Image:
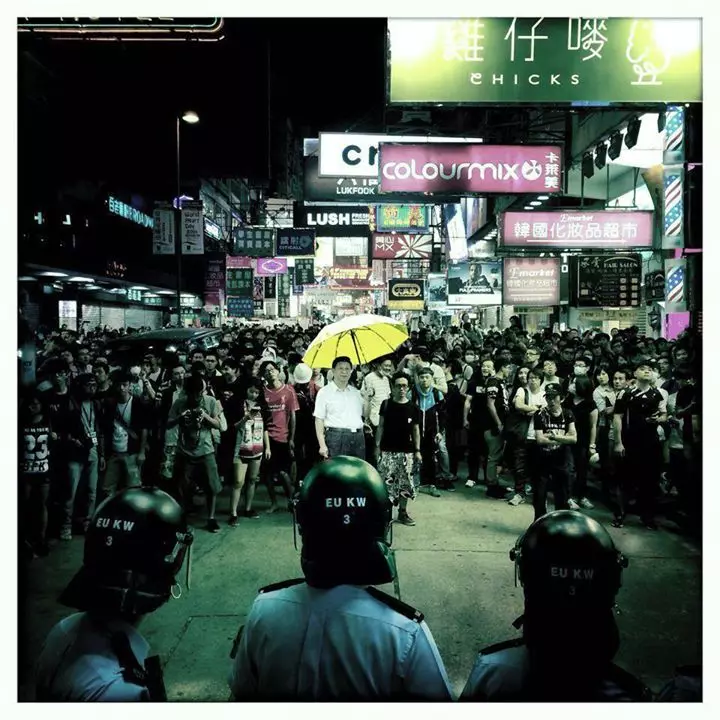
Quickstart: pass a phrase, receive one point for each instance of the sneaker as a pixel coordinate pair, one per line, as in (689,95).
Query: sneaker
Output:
(430,490)
(66,534)
(618,521)
(212,526)
(251,514)
(470,483)
(586,504)
(404,519)
(528,489)
(516,499)
(233,521)
(573,505)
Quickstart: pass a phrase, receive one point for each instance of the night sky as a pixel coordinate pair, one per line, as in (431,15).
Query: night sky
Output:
(109,109)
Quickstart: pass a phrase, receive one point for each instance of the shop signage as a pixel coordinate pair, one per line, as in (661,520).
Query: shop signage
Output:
(335,220)
(134,295)
(240,281)
(67,308)
(596,230)
(347,278)
(283,286)
(531,282)
(295,241)
(654,286)
(305,271)
(296,288)
(214,273)
(391,246)
(271,266)
(609,281)
(545,60)
(353,155)
(191,228)
(254,242)
(212,229)
(149,300)
(437,296)
(406,294)
(117,207)
(350,251)
(470,168)
(477,282)
(238,261)
(163,231)
(240,306)
(349,189)
(270,287)
(403,218)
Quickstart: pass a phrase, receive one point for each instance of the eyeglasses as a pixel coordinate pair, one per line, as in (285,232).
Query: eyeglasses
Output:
(403,386)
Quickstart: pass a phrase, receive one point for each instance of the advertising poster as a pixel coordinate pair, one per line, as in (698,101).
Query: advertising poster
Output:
(476,168)
(295,241)
(531,282)
(545,60)
(477,282)
(437,295)
(609,281)
(192,228)
(258,290)
(456,233)
(396,246)
(594,229)
(406,294)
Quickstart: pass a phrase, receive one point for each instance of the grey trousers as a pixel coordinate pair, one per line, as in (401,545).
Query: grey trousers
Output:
(345,442)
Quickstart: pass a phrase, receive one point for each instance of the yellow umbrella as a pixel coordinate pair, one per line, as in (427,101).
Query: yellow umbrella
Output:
(362,338)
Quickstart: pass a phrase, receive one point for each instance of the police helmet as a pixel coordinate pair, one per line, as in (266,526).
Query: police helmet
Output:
(134,547)
(567,559)
(343,513)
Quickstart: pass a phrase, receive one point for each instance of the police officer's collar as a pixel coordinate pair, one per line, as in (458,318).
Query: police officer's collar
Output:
(115,624)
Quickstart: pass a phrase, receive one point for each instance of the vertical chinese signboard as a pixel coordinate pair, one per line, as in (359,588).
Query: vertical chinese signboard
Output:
(214,278)
(305,271)
(270,287)
(163,230)
(284,295)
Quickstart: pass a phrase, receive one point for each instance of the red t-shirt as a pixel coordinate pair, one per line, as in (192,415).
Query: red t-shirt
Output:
(280,403)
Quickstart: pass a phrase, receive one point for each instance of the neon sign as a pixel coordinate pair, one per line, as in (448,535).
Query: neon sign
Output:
(120,208)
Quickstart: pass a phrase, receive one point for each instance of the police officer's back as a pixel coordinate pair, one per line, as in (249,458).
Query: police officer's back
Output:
(571,572)
(134,548)
(331,635)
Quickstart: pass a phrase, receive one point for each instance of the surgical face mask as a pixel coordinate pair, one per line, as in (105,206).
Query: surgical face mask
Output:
(580,370)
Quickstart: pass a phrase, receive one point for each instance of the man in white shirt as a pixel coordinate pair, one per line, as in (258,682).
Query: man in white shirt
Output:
(339,414)
(375,389)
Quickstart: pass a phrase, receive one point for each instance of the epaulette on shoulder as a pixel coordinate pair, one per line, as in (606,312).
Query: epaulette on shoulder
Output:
(505,645)
(398,606)
(280,585)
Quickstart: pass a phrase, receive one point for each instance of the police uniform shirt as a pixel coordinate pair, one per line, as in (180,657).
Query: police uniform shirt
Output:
(504,676)
(303,643)
(77,663)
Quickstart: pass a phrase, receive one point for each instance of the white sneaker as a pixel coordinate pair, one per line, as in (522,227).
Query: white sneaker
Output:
(66,534)
(585,503)
(516,499)
(573,505)
(470,483)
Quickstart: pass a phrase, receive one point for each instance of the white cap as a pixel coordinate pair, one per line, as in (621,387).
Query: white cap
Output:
(303,373)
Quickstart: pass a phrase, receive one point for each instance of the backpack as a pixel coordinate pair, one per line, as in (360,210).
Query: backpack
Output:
(517,423)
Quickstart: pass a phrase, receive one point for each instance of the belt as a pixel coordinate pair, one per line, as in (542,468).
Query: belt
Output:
(357,430)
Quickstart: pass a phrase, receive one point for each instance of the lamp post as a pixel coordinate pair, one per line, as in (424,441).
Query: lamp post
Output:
(190,117)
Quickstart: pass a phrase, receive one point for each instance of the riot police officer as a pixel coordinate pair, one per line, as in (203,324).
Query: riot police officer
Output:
(134,548)
(571,572)
(332,636)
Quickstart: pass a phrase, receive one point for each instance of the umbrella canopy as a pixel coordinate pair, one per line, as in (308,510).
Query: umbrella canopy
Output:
(362,338)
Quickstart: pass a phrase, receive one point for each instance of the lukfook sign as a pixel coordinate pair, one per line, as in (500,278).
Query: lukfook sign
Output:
(470,168)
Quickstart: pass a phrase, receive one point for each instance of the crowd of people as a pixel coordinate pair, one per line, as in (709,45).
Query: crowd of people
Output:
(532,413)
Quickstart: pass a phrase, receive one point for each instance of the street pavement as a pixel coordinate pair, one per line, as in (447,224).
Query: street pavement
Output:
(453,566)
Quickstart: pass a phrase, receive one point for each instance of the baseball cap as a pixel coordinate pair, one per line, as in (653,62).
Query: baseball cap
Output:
(553,389)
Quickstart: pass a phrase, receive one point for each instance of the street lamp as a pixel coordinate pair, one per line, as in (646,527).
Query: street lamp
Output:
(190,117)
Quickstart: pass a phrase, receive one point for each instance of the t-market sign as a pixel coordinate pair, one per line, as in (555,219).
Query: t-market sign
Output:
(351,155)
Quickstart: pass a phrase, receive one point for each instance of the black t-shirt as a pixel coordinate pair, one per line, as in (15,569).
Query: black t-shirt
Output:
(478,399)
(558,424)
(494,389)
(687,397)
(636,406)
(582,411)
(398,421)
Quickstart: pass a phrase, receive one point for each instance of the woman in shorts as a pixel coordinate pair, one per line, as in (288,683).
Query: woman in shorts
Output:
(251,442)
(397,443)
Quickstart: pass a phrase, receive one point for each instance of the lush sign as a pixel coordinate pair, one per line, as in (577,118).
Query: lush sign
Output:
(530,60)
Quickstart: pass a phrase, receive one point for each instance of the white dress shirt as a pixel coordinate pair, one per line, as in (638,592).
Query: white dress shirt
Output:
(340,408)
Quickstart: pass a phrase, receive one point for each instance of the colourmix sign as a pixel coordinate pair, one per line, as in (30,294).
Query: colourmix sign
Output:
(470,168)
(596,230)
(545,60)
